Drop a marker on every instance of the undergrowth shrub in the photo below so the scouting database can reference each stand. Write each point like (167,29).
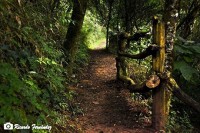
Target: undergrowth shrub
(33,80)
(187,74)
(179,119)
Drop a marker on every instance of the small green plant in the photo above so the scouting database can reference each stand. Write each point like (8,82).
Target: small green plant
(179,123)
(33,80)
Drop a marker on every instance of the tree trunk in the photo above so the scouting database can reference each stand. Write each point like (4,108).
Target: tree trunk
(121,63)
(170,19)
(70,44)
(54,4)
(159,112)
(110,3)
(186,24)
(127,20)
(163,63)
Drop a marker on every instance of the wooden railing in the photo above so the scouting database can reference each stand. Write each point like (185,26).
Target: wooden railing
(160,81)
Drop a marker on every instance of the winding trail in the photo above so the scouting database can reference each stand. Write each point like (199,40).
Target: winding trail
(107,107)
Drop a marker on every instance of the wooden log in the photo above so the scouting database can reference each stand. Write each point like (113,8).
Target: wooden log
(152,82)
(140,88)
(181,95)
(151,50)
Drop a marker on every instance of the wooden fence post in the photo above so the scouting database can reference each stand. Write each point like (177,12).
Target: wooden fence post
(161,96)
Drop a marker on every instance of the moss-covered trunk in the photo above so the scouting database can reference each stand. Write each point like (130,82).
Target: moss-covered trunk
(160,96)
(164,36)
(71,42)
(121,63)
(110,3)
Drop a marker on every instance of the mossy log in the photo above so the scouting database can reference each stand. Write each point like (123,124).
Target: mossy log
(173,86)
(152,82)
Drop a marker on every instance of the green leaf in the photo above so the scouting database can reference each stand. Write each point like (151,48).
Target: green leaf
(188,59)
(181,49)
(196,49)
(186,70)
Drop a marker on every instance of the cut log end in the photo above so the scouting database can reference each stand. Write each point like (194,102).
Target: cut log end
(153,81)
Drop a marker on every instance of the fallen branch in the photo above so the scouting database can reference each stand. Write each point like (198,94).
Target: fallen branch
(173,86)
(151,50)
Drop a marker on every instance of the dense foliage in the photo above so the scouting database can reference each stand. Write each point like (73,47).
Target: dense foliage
(33,78)
(34,83)
(135,16)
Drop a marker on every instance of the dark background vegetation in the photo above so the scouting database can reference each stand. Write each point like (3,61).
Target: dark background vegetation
(36,70)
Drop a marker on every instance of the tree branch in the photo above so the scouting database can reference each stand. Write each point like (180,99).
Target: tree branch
(151,50)
(190,16)
(173,86)
(137,36)
(134,37)
(140,88)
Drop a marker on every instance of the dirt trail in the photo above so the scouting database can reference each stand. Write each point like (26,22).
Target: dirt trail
(106,106)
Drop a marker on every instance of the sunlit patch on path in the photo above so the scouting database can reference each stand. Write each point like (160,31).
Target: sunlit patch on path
(101,44)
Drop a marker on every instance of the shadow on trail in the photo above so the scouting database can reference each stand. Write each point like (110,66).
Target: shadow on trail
(104,101)
(118,110)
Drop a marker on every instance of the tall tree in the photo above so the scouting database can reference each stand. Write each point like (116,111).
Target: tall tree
(164,36)
(187,23)
(110,4)
(70,44)
(127,20)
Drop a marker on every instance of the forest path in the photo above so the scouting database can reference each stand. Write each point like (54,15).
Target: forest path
(106,106)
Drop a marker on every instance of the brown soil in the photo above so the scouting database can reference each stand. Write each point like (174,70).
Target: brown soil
(107,106)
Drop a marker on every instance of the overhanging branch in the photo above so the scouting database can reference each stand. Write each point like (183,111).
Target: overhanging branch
(134,37)
(137,36)
(151,50)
